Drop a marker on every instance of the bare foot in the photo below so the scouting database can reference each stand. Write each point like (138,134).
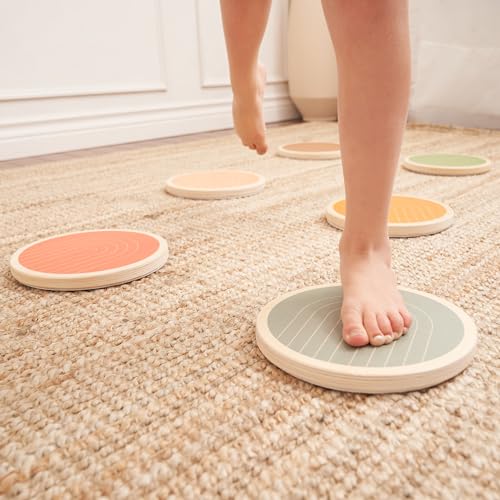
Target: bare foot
(247,111)
(373,311)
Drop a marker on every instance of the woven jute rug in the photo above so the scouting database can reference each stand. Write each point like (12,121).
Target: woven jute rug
(156,389)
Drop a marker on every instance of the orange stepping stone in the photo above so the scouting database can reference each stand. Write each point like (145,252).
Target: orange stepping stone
(408,216)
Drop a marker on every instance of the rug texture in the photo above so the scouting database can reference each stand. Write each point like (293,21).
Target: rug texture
(156,389)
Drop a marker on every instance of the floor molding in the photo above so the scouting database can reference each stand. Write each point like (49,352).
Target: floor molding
(54,135)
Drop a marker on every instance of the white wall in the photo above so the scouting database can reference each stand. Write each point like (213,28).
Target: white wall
(77,74)
(456,62)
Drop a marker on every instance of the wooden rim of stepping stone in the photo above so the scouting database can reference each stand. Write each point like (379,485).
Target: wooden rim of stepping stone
(301,333)
(447,164)
(409,216)
(215,184)
(310,150)
(86,260)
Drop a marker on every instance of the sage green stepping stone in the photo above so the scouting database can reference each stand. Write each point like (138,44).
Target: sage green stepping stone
(447,164)
(301,332)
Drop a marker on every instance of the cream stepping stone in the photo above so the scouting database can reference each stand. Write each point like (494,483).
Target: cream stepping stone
(301,333)
(215,184)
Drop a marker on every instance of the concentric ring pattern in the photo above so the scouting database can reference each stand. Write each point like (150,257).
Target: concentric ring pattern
(309,323)
(87,252)
(406,209)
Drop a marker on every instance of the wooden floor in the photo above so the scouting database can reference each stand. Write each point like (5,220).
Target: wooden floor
(87,153)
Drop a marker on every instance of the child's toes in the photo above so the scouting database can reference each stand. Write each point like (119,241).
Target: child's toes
(376,336)
(407,318)
(397,323)
(353,331)
(385,327)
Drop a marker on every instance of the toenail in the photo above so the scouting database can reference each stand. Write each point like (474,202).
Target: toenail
(388,339)
(355,333)
(379,339)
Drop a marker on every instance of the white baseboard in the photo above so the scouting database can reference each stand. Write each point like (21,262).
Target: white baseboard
(58,134)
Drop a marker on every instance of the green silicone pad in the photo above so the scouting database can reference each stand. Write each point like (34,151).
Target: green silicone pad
(448,160)
(309,323)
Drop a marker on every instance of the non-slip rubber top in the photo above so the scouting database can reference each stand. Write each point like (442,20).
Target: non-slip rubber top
(408,216)
(310,150)
(88,259)
(447,164)
(215,184)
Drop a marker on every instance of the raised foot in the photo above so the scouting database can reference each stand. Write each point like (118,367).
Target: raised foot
(247,110)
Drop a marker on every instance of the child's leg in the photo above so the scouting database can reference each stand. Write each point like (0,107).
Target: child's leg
(244,24)
(372,46)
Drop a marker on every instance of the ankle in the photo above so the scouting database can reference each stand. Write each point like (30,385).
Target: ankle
(244,82)
(246,98)
(363,245)
(248,82)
